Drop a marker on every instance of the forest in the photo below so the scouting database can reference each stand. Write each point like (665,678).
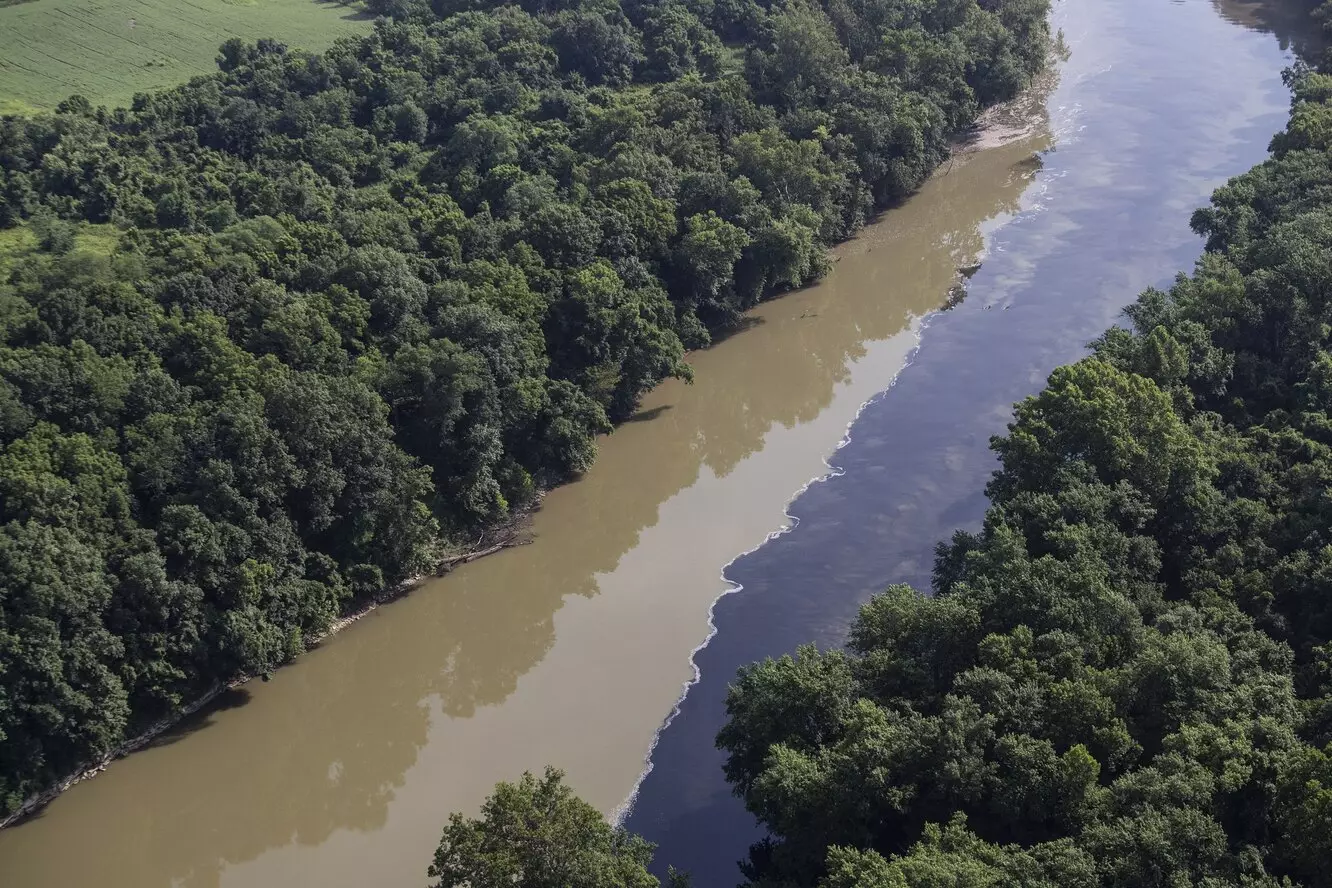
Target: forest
(1124,679)
(283,334)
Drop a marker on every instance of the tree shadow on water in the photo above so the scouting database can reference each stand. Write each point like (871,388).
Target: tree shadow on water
(743,323)
(1288,20)
(231,698)
(650,414)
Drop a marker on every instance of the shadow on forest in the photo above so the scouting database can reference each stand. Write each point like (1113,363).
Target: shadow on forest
(356,11)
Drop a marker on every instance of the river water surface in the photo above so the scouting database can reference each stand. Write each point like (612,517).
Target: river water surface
(571,651)
(1157,103)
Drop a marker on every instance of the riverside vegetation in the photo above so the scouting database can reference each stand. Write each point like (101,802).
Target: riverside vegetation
(1125,678)
(270,339)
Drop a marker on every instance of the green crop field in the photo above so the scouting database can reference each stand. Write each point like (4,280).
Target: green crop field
(21,241)
(107,50)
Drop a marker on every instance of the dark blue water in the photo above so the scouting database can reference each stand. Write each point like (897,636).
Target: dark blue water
(1158,102)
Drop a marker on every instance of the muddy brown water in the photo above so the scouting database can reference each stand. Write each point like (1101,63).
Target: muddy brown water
(571,651)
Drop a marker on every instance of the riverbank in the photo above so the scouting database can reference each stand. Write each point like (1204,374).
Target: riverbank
(506,535)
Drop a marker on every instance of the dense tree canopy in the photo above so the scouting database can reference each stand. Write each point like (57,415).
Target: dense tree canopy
(363,301)
(1125,678)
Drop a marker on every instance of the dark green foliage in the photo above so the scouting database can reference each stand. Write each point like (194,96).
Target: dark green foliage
(1125,679)
(373,298)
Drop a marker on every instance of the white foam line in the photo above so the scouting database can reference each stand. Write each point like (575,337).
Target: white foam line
(625,808)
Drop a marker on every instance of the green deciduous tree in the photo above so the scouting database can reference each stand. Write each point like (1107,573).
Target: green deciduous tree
(538,834)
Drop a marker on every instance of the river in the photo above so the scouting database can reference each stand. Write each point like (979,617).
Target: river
(1157,103)
(342,770)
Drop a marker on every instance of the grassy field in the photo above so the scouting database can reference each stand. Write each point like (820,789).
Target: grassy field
(16,243)
(107,50)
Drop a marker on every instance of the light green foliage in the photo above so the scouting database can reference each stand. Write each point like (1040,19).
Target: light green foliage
(23,241)
(538,834)
(953,857)
(1306,812)
(110,50)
